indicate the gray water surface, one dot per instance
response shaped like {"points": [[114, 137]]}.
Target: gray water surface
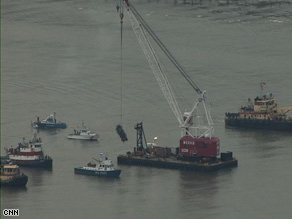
{"points": [[65, 57]]}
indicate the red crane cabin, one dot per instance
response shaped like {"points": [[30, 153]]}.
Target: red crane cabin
{"points": [[199, 147]]}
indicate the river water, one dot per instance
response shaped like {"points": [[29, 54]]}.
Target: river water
{"points": [[65, 57]]}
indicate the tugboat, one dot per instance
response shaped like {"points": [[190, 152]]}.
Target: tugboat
{"points": [[30, 154], [49, 123], [101, 168], [11, 175], [83, 134], [263, 113]]}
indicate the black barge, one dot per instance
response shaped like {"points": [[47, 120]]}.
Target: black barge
{"points": [[225, 161], [193, 154]]}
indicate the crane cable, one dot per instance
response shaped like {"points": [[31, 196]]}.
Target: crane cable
{"points": [[121, 17], [165, 50], [119, 128]]}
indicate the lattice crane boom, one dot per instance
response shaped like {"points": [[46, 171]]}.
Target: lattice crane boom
{"points": [[155, 66], [185, 120]]}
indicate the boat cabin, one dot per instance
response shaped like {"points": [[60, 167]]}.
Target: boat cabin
{"points": [[50, 119], [101, 165], [106, 163], [10, 170], [264, 104]]}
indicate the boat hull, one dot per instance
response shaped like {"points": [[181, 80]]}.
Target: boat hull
{"points": [[226, 161], [50, 125], [86, 138], [259, 124], [16, 181], [111, 173], [46, 163]]}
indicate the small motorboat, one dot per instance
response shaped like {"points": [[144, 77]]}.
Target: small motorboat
{"points": [[83, 134], [49, 123], [11, 176], [101, 168]]}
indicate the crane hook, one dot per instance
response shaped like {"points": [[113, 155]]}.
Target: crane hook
{"points": [[121, 16]]}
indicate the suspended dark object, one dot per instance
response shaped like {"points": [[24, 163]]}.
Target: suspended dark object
{"points": [[121, 133]]}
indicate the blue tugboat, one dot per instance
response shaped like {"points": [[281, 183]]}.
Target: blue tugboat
{"points": [[49, 123], [101, 168]]}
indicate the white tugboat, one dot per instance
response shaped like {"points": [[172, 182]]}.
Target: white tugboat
{"points": [[83, 134]]}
